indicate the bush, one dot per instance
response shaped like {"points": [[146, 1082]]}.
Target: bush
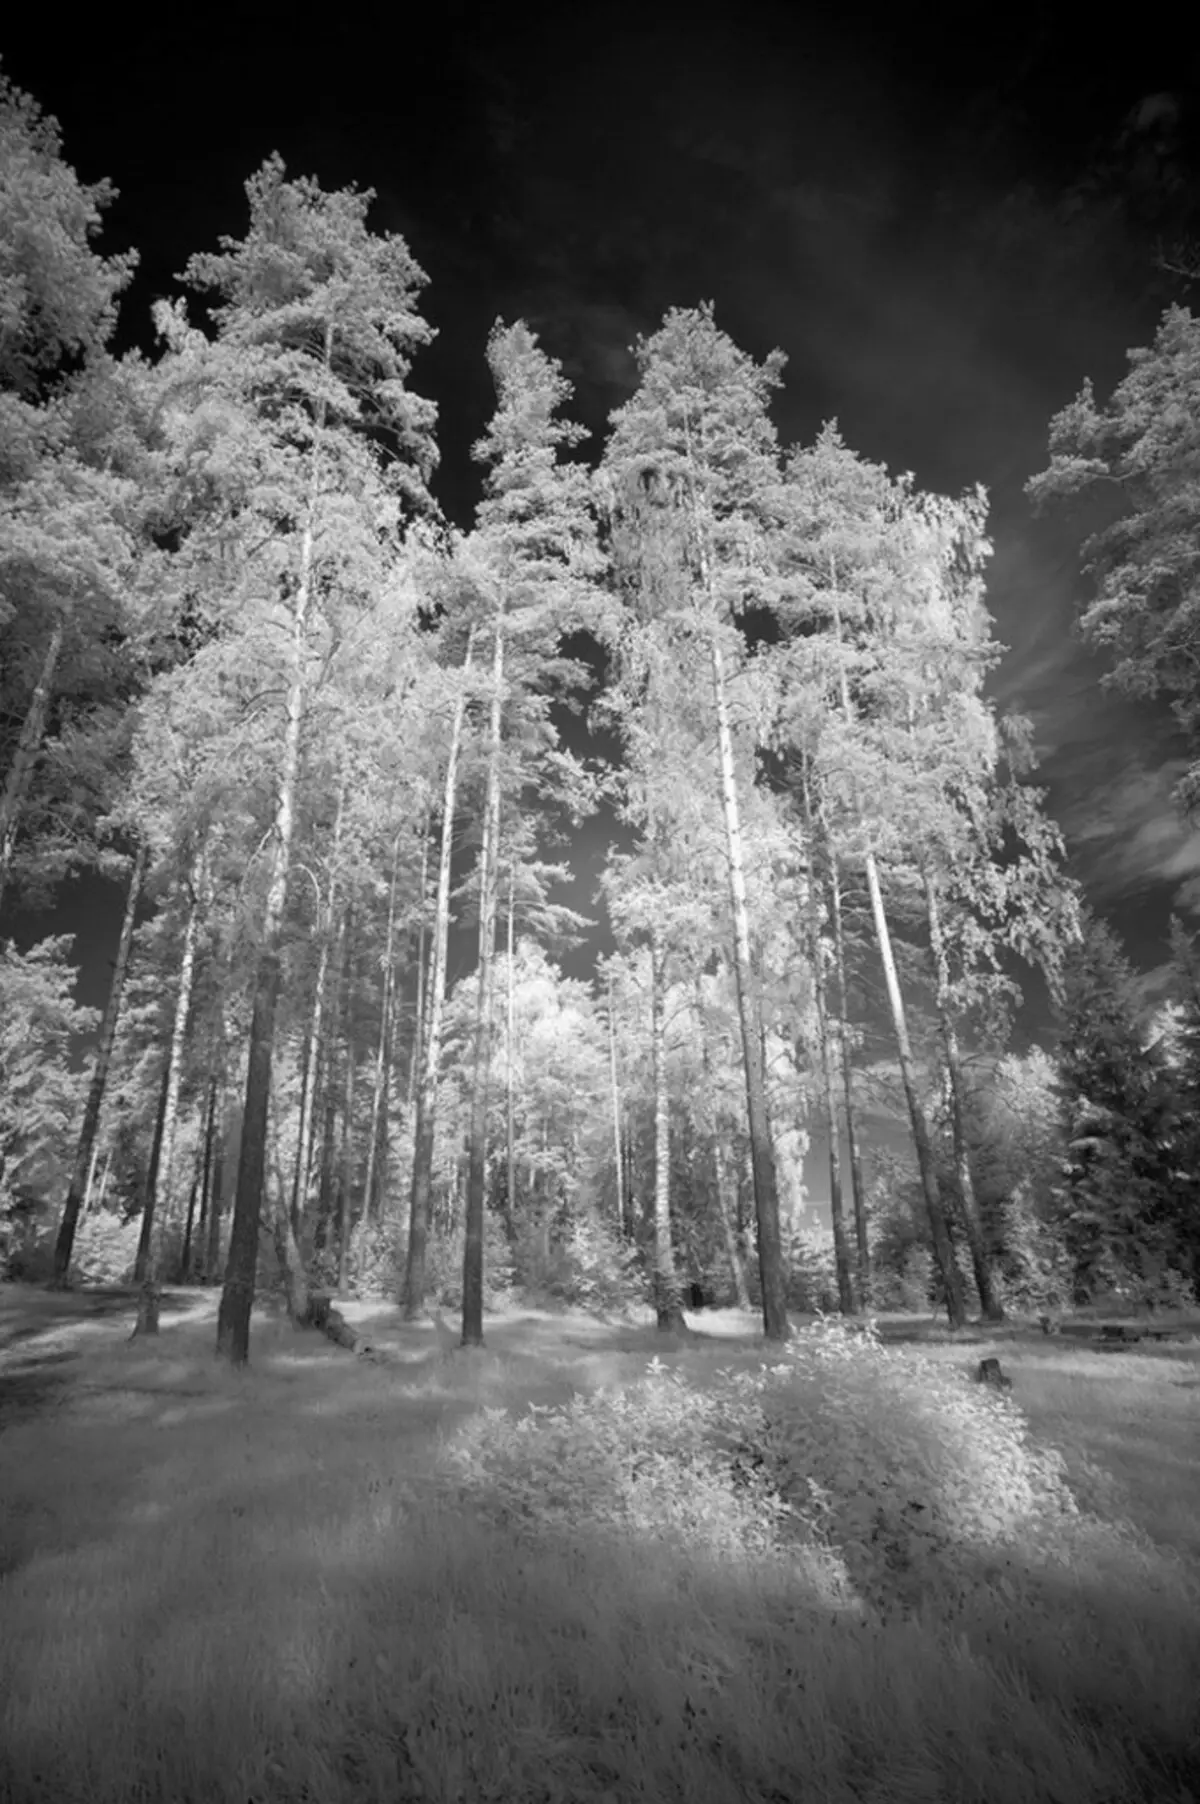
{"points": [[891, 1477], [587, 1267]]}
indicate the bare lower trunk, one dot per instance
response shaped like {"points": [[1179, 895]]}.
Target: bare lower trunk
{"points": [[425, 1106], [668, 1305], [212, 1251], [200, 1263], [510, 1098], [142, 1260], [857, 1188], [160, 1210], [85, 1150], [185, 1257], [942, 1247], [29, 745], [993, 1309], [472, 1304], [382, 1045], [346, 1179], [762, 1151]]}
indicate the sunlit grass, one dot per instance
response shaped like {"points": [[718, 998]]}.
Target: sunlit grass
{"points": [[246, 1587]]}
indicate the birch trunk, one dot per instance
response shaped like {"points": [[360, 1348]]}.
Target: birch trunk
{"points": [[472, 1305], [425, 1105]]}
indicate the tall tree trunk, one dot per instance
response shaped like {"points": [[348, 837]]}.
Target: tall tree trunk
{"points": [[142, 1260], [237, 1295], [762, 1151], [425, 1102], [668, 1304], [312, 1049], [104, 1175], [86, 1145], [327, 1158], [212, 1251], [857, 1188], [185, 1258], [942, 1247], [381, 1049], [993, 1309], [472, 1304], [510, 1099], [160, 1202], [210, 1112], [29, 745], [847, 1302], [346, 1177], [616, 1107]]}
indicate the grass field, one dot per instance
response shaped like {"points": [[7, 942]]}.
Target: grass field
{"points": [[253, 1587]]}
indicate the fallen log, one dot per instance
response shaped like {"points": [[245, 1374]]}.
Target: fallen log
{"points": [[321, 1314]]}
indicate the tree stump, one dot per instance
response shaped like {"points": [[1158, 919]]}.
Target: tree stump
{"points": [[989, 1373]]}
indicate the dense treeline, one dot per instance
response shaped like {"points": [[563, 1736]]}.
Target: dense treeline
{"points": [[251, 672]]}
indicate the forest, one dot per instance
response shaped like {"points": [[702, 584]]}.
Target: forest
{"points": [[692, 1501], [252, 673]]}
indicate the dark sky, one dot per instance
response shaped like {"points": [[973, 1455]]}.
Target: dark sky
{"points": [[945, 232]]}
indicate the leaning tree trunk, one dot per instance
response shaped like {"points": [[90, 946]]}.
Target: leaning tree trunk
{"points": [[29, 745], [668, 1305], [472, 1303], [425, 1109], [237, 1295], [762, 1150], [990, 1303], [159, 1202], [86, 1146], [942, 1247]]}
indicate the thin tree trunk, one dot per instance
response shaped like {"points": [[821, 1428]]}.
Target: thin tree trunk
{"points": [[91, 1179], [104, 1175], [857, 1187], [425, 1104], [472, 1303], [993, 1309], [86, 1145], [206, 1179], [312, 1050], [29, 745], [942, 1247], [142, 1260], [616, 1106], [420, 1025], [762, 1151], [345, 1209], [185, 1258], [212, 1252], [327, 1174], [847, 1302], [160, 1203], [510, 1100], [668, 1304], [381, 1050], [237, 1296]]}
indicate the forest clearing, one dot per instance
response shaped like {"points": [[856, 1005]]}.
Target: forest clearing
{"points": [[316, 1579]]}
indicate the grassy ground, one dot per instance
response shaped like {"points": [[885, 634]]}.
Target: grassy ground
{"points": [[245, 1587]]}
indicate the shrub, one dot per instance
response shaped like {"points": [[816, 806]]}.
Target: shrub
{"points": [[888, 1475]]}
